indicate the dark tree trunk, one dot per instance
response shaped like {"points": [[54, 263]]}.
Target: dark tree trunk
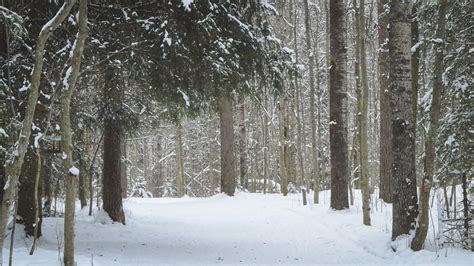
{"points": [[386, 156], [82, 183], [338, 107], [242, 145], [227, 145], [123, 170], [26, 195], [405, 207], [112, 149], [47, 183], [111, 180]]}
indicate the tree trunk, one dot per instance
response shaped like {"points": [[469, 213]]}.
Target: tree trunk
{"points": [[386, 155], [363, 115], [467, 211], [13, 170], [283, 131], [179, 162], [146, 163], [47, 183], [227, 145], [430, 142], [415, 60], [85, 177], [84, 173], [338, 106], [26, 194], [242, 145], [66, 135], [112, 152], [299, 109], [211, 156], [38, 220], [405, 207], [265, 148], [123, 165], [111, 180], [312, 104]]}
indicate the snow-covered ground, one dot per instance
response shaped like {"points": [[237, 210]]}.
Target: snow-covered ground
{"points": [[245, 229]]}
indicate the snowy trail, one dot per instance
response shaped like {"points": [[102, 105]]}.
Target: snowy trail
{"points": [[246, 229]]}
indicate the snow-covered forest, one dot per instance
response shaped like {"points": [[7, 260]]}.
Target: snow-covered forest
{"points": [[148, 132]]}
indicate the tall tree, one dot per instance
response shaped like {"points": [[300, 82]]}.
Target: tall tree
{"points": [[112, 155], [431, 136], [312, 104], [363, 104], [123, 170], [405, 208], [69, 82], [227, 145], [386, 156], [338, 106], [179, 161], [282, 144], [299, 108], [242, 144]]}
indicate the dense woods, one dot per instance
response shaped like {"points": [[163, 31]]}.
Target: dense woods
{"points": [[103, 102]]}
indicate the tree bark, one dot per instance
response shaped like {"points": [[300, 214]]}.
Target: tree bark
{"points": [[338, 106], [123, 170], [37, 203], [111, 180], [211, 155], [282, 136], [299, 109], [265, 148], [242, 145], [415, 59], [179, 162], [386, 155], [66, 135], [47, 183], [85, 177], [312, 104], [430, 142], [405, 207], [26, 194], [112, 152], [13, 170], [363, 115], [227, 145]]}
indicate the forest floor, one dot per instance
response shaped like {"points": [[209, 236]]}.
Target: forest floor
{"points": [[245, 229]]}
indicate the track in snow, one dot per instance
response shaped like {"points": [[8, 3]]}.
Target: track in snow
{"points": [[245, 229]]}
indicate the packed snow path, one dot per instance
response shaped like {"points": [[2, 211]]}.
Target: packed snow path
{"points": [[245, 229]]}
